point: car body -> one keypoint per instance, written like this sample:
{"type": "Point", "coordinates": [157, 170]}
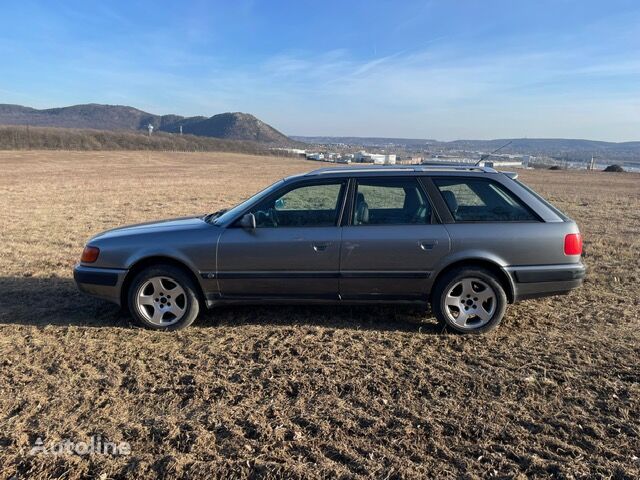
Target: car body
{"type": "Point", "coordinates": [353, 235]}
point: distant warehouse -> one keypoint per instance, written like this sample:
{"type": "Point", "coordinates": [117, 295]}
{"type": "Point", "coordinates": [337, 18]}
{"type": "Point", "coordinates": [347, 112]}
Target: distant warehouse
{"type": "Point", "coordinates": [375, 158]}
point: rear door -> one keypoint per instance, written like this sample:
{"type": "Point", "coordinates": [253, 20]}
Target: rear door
{"type": "Point", "coordinates": [294, 251]}
{"type": "Point", "coordinates": [391, 240]}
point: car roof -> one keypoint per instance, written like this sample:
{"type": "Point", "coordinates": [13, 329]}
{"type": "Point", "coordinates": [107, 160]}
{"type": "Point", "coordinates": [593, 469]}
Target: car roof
{"type": "Point", "coordinates": [394, 170]}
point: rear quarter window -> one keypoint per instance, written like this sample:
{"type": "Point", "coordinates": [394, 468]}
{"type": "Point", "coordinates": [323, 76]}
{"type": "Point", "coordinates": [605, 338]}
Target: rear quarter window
{"type": "Point", "coordinates": [542, 200]}
{"type": "Point", "coordinates": [480, 200]}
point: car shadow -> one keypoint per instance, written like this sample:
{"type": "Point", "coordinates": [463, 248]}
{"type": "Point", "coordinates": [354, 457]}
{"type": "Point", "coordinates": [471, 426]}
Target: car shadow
{"type": "Point", "coordinates": [34, 301]}
{"type": "Point", "coordinates": [405, 318]}
{"type": "Point", "coordinates": [39, 302]}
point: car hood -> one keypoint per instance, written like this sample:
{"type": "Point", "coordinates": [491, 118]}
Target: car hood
{"type": "Point", "coordinates": [169, 225]}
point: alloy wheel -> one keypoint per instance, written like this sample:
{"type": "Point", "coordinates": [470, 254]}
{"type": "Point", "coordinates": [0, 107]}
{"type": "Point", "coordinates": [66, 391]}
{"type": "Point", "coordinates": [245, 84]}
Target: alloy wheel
{"type": "Point", "coordinates": [470, 303]}
{"type": "Point", "coordinates": [161, 301]}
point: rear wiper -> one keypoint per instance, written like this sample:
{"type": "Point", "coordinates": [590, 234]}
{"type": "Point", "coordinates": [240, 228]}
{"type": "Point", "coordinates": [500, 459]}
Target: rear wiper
{"type": "Point", "coordinates": [212, 216]}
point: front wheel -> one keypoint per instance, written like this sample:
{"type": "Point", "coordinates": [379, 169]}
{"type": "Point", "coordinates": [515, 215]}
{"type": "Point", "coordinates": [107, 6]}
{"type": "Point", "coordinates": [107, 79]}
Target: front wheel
{"type": "Point", "coordinates": [469, 300]}
{"type": "Point", "coordinates": [163, 297]}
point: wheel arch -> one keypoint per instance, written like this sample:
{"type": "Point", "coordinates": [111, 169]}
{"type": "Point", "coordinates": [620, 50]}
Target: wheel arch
{"type": "Point", "coordinates": [503, 277]}
{"type": "Point", "coordinates": [150, 261]}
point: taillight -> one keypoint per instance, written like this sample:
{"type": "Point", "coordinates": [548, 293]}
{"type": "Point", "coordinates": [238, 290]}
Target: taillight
{"type": "Point", "coordinates": [89, 254]}
{"type": "Point", "coordinates": [573, 244]}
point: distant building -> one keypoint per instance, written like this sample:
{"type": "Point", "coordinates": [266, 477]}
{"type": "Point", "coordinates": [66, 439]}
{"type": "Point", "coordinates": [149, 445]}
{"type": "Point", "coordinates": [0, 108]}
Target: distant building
{"type": "Point", "coordinates": [408, 160]}
{"type": "Point", "coordinates": [375, 158]}
{"type": "Point", "coordinates": [502, 163]}
{"type": "Point", "coordinates": [315, 156]}
{"type": "Point", "coordinates": [295, 151]}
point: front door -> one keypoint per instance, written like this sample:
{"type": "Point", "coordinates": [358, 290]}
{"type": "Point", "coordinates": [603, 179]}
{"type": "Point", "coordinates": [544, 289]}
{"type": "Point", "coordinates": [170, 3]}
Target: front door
{"type": "Point", "coordinates": [391, 243]}
{"type": "Point", "coordinates": [294, 251]}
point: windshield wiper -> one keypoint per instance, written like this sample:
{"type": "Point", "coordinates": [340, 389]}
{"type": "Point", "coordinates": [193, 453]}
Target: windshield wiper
{"type": "Point", "coordinates": [212, 216]}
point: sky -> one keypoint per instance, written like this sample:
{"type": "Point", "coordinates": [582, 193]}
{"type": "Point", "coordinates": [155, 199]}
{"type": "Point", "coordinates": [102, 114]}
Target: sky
{"type": "Point", "coordinates": [442, 70]}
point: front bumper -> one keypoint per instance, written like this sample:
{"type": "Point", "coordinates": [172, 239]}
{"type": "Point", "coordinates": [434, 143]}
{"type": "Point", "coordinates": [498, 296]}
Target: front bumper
{"type": "Point", "coordinates": [545, 280]}
{"type": "Point", "coordinates": [105, 283]}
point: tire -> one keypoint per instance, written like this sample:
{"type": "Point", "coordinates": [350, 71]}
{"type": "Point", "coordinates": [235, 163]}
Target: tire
{"type": "Point", "coordinates": [163, 297]}
{"type": "Point", "coordinates": [475, 294]}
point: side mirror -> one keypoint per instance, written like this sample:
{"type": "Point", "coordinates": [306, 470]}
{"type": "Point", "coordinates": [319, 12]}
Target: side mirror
{"type": "Point", "coordinates": [280, 204]}
{"type": "Point", "coordinates": [248, 220]}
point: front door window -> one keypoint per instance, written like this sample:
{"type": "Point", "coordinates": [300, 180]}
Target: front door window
{"type": "Point", "coordinates": [314, 205]}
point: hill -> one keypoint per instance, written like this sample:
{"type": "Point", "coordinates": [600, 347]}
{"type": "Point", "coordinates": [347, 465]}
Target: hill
{"type": "Point", "coordinates": [572, 149]}
{"type": "Point", "coordinates": [100, 117]}
{"type": "Point", "coordinates": [234, 126]}
{"type": "Point", "coordinates": [564, 148]}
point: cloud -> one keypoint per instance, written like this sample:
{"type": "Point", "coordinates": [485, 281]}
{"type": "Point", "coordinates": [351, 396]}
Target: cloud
{"type": "Point", "coordinates": [461, 83]}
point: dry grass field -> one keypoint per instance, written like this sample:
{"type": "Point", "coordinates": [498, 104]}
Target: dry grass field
{"type": "Point", "coordinates": [303, 392]}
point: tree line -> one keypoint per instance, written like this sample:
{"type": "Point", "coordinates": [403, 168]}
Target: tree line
{"type": "Point", "coordinates": [14, 137]}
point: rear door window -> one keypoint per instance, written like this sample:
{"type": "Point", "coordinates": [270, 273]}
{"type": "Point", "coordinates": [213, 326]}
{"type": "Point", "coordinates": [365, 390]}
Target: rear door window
{"type": "Point", "coordinates": [480, 200]}
{"type": "Point", "coordinates": [390, 201]}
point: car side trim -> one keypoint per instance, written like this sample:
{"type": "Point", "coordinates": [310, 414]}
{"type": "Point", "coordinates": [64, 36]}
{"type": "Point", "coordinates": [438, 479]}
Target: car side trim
{"type": "Point", "coordinates": [275, 274]}
{"type": "Point", "coordinates": [328, 299]}
{"type": "Point", "coordinates": [384, 274]}
{"type": "Point", "coordinates": [321, 274]}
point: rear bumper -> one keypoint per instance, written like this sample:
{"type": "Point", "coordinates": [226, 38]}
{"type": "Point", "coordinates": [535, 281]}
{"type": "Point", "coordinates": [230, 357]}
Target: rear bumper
{"type": "Point", "coordinates": [545, 280]}
{"type": "Point", "coordinates": [105, 283]}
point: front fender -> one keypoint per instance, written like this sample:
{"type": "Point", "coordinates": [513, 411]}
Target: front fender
{"type": "Point", "coordinates": [170, 253]}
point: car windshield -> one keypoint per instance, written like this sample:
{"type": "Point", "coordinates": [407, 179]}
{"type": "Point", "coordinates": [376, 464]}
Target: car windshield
{"type": "Point", "coordinates": [233, 212]}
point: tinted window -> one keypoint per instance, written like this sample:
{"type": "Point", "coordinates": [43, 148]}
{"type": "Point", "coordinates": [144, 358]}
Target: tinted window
{"type": "Point", "coordinates": [305, 206]}
{"type": "Point", "coordinates": [477, 200]}
{"type": "Point", "coordinates": [390, 201]}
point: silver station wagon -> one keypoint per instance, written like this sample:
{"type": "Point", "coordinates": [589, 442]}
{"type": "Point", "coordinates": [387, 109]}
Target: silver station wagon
{"type": "Point", "coordinates": [467, 240]}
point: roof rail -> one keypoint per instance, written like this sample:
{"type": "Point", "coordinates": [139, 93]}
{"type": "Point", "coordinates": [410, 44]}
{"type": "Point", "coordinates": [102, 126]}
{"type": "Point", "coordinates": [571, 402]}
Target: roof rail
{"type": "Point", "coordinates": [422, 168]}
{"type": "Point", "coordinates": [400, 168]}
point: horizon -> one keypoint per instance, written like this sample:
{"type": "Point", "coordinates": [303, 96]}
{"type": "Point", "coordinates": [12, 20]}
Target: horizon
{"type": "Point", "coordinates": [419, 70]}
{"type": "Point", "coordinates": [365, 137]}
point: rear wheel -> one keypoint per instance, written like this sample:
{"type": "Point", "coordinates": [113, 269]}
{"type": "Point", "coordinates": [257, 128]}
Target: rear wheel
{"type": "Point", "coordinates": [469, 300]}
{"type": "Point", "coordinates": [163, 297]}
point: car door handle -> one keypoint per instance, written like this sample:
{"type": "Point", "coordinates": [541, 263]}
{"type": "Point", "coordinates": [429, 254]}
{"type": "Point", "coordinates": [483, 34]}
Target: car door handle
{"type": "Point", "coordinates": [320, 247]}
{"type": "Point", "coordinates": [427, 245]}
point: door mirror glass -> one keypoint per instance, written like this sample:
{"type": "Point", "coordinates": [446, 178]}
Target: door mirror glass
{"type": "Point", "coordinates": [280, 204]}
{"type": "Point", "coordinates": [248, 220]}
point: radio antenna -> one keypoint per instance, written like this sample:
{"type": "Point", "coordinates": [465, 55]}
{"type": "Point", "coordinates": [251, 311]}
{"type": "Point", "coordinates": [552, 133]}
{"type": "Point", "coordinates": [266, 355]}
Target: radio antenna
{"type": "Point", "coordinates": [487, 155]}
